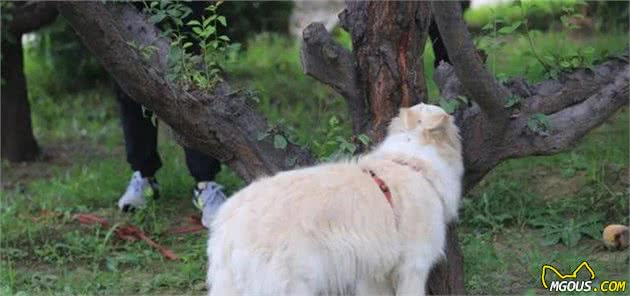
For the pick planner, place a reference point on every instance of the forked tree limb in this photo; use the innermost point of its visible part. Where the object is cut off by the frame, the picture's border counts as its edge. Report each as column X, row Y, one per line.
column 585, row 111
column 223, row 124
column 568, row 89
column 327, row 61
column 478, row 82
column 574, row 104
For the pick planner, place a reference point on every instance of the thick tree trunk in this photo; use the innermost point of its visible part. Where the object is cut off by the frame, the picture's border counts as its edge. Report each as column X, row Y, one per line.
column 388, row 42
column 447, row 277
column 18, row 142
column 383, row 73
column 384, row 70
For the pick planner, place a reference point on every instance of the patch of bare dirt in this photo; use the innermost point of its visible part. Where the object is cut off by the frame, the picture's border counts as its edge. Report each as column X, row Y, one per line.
column 58, row 154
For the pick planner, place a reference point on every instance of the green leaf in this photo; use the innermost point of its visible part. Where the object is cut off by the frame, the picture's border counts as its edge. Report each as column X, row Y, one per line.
column 364, row 139
column 197, row 31
column 290, row 162
column 154, row 19
column 333, row 121
column 279, row 142
column 550, row 240
column 222, row 20
column 224, row 38
column 111, row 264
column 593, row 230
column 178, row 22
column 174, row 13
column 589, row 50
column 194, row 23
column 345, row 146
column 539, row 123
column 512, row 101
column 488, row 27
column 449, row 105
column 261, row 136
column 207, row 21
column 575, row 62
column 568, row 172
column 571, row 237
column 463, row 99
column 510, row 29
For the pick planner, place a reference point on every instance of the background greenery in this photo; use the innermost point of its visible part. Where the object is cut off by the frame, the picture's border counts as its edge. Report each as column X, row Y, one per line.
column 527, row 212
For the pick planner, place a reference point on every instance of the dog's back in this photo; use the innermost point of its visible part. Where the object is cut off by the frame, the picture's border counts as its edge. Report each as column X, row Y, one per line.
column 324, row 230
column 373, row 227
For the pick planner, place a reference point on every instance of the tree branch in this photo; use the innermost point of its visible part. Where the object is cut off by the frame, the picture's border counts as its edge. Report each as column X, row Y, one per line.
column 581, row 101
column 554, row 95
column 478, row 82
column 590, row 107
column 224, row 125
column 327, row 61
column 30, row 16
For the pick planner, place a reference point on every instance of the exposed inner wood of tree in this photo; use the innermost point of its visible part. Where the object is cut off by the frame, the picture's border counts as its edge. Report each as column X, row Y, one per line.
column 381, row 74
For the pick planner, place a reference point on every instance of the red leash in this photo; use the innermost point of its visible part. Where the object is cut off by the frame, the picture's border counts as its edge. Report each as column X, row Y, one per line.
column 381, row 185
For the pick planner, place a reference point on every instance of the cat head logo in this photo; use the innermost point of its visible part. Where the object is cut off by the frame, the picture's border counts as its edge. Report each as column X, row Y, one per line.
column 570, row 276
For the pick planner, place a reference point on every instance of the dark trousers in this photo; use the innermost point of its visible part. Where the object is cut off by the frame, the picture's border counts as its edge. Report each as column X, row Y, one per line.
column 141, row 143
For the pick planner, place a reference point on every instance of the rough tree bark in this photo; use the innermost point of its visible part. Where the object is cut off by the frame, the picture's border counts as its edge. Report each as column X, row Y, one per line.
column 223, row 124
column 384, row 70
column 383, row 73
column 380, row 75
column 18, row 141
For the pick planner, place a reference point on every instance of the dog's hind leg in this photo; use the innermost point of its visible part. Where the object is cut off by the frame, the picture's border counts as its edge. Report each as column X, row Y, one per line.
column 411, row 280
column 223, row 285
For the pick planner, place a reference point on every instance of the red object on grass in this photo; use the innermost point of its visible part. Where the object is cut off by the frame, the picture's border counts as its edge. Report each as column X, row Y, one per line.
column 128, row 233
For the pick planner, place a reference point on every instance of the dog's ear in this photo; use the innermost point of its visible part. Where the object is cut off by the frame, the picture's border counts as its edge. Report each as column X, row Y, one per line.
column 438, row 123
column 407, row 118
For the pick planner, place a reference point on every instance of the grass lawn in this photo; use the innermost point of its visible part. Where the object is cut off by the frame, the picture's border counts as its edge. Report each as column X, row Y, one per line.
column 526, row 213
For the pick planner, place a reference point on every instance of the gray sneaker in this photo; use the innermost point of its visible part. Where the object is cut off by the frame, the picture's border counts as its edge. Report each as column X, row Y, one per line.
column 137, row 190
column 208, row 197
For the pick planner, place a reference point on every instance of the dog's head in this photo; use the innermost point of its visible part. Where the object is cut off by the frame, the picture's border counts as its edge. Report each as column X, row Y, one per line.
column 431, row 124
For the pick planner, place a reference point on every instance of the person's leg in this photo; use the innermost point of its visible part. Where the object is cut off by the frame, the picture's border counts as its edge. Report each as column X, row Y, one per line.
column 439, row 49
column 202, row 167
column 207, row 194
column 140, row 137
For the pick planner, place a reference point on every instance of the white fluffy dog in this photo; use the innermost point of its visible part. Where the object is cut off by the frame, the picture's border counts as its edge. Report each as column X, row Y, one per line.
column 374, row 226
